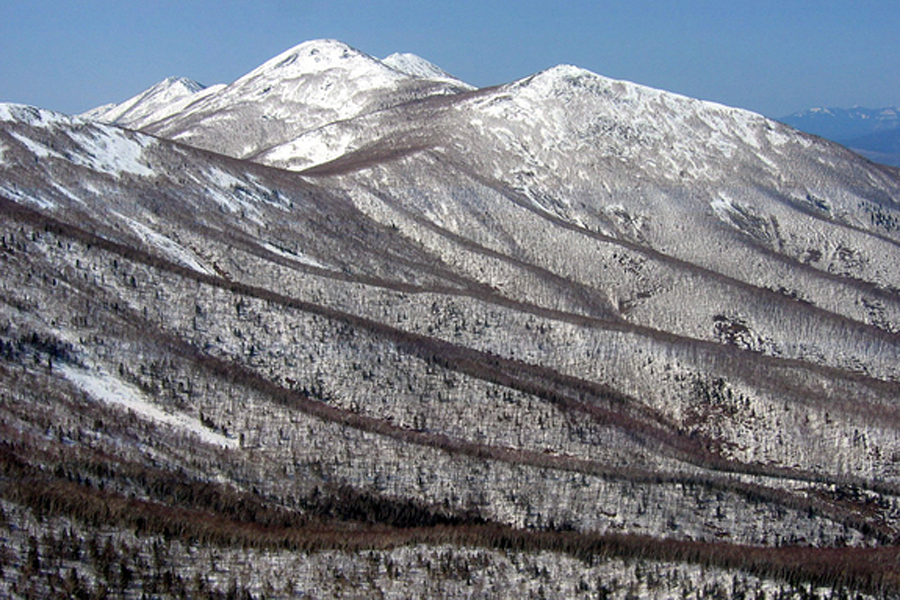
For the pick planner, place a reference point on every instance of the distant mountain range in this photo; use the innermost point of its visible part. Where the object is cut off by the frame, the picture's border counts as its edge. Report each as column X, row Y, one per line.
column 350, row 327
column 874, row 133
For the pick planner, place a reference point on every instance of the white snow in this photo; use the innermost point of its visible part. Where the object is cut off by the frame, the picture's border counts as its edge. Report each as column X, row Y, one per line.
column 12, row 191
column 224, row 180
column 179, row 105
column 36, row 148
column 160, row 95
column 168, row 247
column 566, row 121
column 6, row 112
column 159, row 102
column 226, row 195
column 302, row 89
column 104, row 148
column 67, row 193
column 32, row 115
column 417, row 66
column 112, row 151
column 723, row 208
column 319, row 56
column 295, row 256
column 98, row 112
column 111, row 390
column 313, row 148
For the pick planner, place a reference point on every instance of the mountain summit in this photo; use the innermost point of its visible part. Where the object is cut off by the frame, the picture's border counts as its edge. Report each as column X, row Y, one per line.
column 351, row 326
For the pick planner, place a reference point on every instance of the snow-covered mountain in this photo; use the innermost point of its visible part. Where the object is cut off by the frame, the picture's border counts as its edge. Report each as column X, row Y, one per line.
column 423, row 334
column 305, row 87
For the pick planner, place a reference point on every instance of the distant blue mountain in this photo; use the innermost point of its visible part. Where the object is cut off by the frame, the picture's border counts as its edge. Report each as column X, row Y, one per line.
column 874, row 133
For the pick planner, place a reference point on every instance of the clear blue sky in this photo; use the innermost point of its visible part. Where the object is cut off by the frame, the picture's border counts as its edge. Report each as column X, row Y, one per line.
column 773, row 57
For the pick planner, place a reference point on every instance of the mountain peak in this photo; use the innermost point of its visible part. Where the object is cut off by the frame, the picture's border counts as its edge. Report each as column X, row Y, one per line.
column 165, row 93
column 311, row 57
column 303, row 88
column 181, row 83
column 564, row 76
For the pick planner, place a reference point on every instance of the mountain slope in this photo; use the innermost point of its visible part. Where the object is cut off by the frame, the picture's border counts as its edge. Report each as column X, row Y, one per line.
column 419, row 67
column 563, row 317
column 155, row 98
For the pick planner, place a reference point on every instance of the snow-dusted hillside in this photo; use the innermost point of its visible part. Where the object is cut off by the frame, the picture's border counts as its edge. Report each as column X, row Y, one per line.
column 431, row 329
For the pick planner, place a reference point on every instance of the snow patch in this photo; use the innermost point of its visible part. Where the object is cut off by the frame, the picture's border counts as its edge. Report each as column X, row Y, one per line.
column 314, row 148
column 36, row 148
column 223, row 179
column 111, row 390
column 232, row 195
column 12, row 191
column 113, row 152
column 723, row 207
column 33, row 116
column 6, row 112
column 295, row 256
column 169, row 248
column 67, row 193
column 416, row 66
column 767, row 161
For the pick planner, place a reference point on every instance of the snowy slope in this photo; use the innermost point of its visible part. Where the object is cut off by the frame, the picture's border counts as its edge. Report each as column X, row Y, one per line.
column 152, row 100
column 417, row 66
column 94, row 146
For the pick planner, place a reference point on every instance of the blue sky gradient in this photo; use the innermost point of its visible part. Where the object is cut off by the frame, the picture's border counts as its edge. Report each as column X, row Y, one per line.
column 770, row 57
